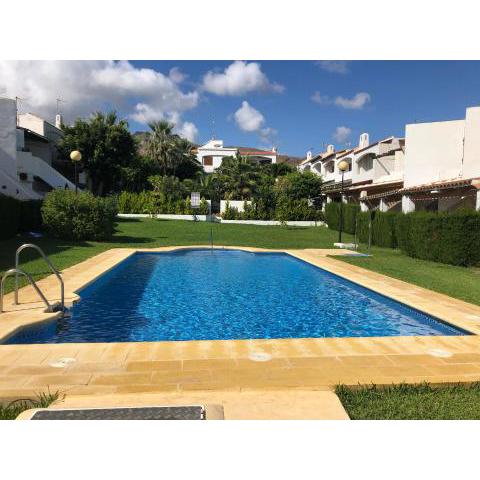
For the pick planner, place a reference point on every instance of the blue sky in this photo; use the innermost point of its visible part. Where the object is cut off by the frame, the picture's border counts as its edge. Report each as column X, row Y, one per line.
column 295, row 105
column 400, row 92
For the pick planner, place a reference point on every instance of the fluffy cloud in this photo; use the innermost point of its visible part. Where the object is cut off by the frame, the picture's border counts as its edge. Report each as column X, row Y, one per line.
column 317, row 97
column 342, row 134
column 333, row 66
column 248, row 118
column 355, row 103
column 239, row 78
column 85, row 86
column 189, row 131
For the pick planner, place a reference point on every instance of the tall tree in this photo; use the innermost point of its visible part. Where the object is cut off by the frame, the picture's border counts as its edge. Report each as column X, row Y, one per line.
column 107, row 149
column 172, row 153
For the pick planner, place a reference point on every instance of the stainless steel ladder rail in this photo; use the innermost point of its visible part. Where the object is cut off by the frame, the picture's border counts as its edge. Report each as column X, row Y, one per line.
column 16, row 272
column 49, row 263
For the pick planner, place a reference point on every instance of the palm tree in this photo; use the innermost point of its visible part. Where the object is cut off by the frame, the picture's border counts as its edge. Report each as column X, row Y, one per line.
column 160, row 145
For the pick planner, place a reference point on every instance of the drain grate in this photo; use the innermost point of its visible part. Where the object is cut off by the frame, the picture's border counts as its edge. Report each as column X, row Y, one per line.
column 131, row 413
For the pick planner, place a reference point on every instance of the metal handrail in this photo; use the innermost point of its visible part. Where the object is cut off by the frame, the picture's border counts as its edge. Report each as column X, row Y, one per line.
column 17, row 271
column 49, row 263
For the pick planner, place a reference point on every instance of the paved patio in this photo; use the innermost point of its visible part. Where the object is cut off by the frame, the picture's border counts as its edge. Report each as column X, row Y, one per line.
column 200, row 369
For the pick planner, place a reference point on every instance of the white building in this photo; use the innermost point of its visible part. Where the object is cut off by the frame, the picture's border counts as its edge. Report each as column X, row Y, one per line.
column 211, row 154
column 436, row 167
column 27, row 149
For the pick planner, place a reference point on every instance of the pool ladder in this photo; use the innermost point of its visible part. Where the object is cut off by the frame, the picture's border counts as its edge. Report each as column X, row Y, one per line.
column 17, row 272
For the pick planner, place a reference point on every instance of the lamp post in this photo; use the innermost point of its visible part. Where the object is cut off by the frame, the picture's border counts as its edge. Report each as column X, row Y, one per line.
column 76, row 157
column 343, row 167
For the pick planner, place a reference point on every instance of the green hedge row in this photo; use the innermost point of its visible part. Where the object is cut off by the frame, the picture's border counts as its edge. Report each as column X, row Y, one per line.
column 154, row 204
column 18, row 216
column 350, row 212
column 285, row 211
column 452, row 238
column 445, row 237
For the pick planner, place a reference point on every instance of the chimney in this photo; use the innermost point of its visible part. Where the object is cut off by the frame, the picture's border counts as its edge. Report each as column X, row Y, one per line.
column 58, row 120
column 309, row 155
column 274, row 149
column 364, row 140
column 330, row 148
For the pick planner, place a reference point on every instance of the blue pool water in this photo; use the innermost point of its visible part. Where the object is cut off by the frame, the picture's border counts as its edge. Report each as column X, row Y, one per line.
column 225, row 294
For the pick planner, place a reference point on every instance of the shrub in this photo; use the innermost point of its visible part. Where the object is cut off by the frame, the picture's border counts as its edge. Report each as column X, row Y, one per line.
column 204, row 208
column 130, row 202
column 30, row 215
column 383, row 229
column 452, row 238
column 78, row 216
column 332, row 215
column 9, row 216
column 291, row 210
column 363, row 221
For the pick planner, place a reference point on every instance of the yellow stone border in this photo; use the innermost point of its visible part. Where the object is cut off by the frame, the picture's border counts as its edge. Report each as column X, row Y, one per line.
column 296, row 363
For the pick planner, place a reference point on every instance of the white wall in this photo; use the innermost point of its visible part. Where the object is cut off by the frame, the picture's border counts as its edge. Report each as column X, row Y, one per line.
column 433, row 151
column 471, row 161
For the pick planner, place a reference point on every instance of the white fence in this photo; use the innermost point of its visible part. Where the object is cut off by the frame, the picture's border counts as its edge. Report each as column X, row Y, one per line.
column 196, row 218
column 292, row 223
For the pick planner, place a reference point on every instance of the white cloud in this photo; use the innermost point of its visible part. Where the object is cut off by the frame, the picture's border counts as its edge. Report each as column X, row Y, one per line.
column 333, row 66
column 355, row 103
column 317, row 97
column 268, row 136
column 142, row 94
column 176, row 75
column 342, row 134
column 188, row 130
column 239, row 78
column 248, row 118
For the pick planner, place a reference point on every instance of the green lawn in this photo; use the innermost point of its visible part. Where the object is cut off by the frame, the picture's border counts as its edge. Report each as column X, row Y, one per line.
column 458, row 282
column 148, row 233
column 412, row 402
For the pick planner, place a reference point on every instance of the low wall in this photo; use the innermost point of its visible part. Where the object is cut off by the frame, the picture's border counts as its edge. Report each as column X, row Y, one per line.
column 293, row 223
column 197, row 218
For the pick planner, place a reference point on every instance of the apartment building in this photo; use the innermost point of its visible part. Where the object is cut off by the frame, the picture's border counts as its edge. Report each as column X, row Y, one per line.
column 27, row 150
column 436, row 167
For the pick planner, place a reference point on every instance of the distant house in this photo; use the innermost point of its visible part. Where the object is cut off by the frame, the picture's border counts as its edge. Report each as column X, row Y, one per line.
column 27, row 151
column 211, row 154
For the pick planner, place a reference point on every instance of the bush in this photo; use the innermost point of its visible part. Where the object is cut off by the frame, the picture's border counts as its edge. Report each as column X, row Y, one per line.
column 383, row 229
column 30, row 215
column 291, row 210
column 9, row 217
column 78, row 216
column 332, row 215
column 452, row 238
column 130, row 202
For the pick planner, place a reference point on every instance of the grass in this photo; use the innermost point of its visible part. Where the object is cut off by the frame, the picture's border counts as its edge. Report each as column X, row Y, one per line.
column 148, row 233
column 13, row 409
column 411, row 402
column 459, row 282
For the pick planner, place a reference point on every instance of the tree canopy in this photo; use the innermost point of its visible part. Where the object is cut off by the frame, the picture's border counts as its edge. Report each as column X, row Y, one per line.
column 107, row 147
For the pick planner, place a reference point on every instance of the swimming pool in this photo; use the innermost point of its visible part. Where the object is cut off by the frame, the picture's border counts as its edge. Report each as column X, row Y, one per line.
column 200, row 294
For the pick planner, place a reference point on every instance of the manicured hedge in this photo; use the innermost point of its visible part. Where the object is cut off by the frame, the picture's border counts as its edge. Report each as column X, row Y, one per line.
column 9, row 217
column 383, row 229
column 452, row 238
column 332, row 215
column 78, row 216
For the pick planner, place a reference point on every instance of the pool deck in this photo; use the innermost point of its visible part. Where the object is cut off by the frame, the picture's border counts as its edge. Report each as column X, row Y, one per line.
column 281, row 371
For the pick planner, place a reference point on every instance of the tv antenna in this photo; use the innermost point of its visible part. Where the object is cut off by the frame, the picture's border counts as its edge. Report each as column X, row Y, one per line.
column 213, row 128
column 59, row 101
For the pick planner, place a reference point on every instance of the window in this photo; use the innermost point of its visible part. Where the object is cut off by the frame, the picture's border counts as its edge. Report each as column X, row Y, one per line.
column 208, row 161
column 365, row 164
